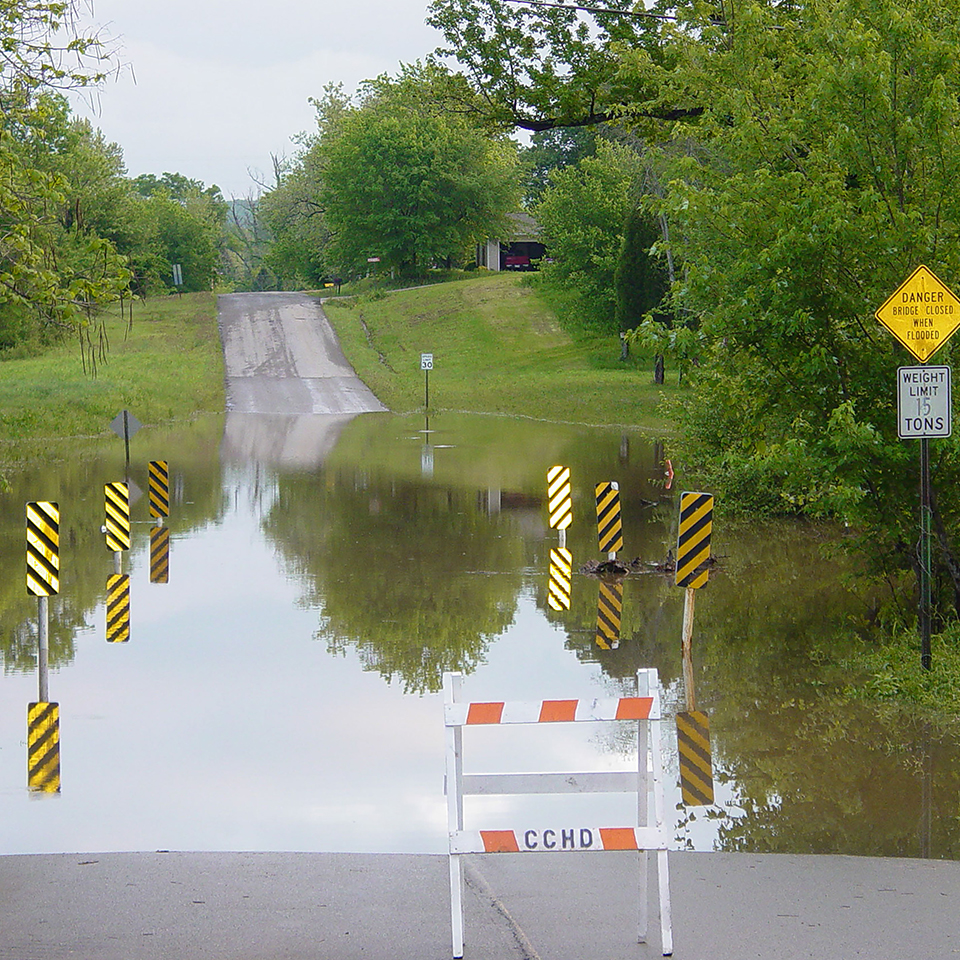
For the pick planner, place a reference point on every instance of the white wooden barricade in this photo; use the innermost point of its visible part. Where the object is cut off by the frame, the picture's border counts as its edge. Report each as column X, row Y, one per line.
column 644, row 708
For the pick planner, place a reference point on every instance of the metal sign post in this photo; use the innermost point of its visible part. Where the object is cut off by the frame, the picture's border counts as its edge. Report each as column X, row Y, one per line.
column 125, row 425
column 926, row 556
column 43, row 576
column 924, row 410
column 923, row 313
column 426, row 365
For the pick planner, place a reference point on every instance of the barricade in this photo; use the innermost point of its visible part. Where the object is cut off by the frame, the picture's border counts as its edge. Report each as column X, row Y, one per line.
column 644, row 709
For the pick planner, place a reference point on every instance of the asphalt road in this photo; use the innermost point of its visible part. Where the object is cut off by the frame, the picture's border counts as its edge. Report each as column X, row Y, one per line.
column 571, row 906
column 290, row 389
column 290, row 392
column 282, row 357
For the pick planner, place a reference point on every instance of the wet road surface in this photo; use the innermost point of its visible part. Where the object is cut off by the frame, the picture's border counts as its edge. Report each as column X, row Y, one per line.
column 290, row 389
column 282, row 357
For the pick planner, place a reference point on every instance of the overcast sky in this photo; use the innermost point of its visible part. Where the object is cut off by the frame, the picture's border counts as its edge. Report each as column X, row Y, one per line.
column 212, row 88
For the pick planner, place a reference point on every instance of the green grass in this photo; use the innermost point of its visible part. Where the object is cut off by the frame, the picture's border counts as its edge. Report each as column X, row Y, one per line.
column 497, row 348
column 167, row 366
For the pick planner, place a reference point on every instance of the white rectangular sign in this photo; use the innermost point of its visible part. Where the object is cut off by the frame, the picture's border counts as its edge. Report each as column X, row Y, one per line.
column 923, row 402
column 426, row 361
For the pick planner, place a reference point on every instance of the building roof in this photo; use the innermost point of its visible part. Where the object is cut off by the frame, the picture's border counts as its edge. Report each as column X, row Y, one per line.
column 524, row 227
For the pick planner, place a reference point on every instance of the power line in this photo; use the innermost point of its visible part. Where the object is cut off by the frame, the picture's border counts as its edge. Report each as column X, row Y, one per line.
column 621, row 13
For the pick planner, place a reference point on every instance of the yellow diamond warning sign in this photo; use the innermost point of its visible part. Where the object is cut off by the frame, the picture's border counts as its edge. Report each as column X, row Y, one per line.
column 922, row 313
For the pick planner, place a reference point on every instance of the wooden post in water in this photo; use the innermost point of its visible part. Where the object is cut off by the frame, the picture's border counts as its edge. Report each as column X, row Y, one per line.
column 687, row 646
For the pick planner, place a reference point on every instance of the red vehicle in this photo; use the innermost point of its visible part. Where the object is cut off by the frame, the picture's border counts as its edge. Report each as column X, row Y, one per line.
column 516, row 262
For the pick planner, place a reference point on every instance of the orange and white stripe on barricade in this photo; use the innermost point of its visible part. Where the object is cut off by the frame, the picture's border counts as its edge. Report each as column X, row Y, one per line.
column 644, row 709
column 548, row 711
column 555, row 839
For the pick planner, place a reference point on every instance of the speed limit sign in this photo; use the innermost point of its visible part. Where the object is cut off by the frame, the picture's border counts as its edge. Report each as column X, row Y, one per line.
column 426, row 361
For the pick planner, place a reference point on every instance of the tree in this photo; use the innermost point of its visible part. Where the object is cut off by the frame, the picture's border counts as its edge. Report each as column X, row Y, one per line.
column 173, row 220
column 823, row 171
column 247, row 245
column 46, row 285
column 641, row 281
column 552, row 150
column 540, row 67
column 404, row 181
column 293, row 213
column 582, row 216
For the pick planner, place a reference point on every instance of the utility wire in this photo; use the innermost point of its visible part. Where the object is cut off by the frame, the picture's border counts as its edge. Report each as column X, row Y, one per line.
column 621, row 13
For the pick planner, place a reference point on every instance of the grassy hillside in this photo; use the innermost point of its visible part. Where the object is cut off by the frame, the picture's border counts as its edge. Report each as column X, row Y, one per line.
column 167, row 366
column 497, row 348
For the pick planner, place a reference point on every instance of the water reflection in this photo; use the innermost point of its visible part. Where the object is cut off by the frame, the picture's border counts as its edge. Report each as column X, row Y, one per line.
column 280, row 689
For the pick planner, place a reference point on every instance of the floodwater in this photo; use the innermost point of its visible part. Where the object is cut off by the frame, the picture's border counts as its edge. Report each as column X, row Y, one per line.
column 281, row 690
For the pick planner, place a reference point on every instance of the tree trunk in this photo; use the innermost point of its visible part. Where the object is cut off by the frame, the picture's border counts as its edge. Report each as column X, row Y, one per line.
column 950, row 561
column 658, row 368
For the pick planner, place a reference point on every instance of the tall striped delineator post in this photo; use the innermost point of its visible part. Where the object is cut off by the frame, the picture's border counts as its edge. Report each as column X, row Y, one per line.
column 560, row 507
column 543, row 838
column 117, row 533
column 609, row 615
column 116, row 497
column 43, row 747
column 559, row 501
column 693, row 726
column 609, row 523
column 693, row 554
column 159, row 476
column 159, row 483
column 43, row 575
column 43, row 582
column 558, row 587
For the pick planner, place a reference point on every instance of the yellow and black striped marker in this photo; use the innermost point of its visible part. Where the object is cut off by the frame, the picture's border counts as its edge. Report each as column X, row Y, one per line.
column 159, row 489
column 693, row 541
column 43, row 549
column 609, row 525
column 609, row 615
column 117, row 501
column 118, row 608
column 558, row 496
column 561, row 566
column 696, row 766
column 159, row 555
column 43, row 747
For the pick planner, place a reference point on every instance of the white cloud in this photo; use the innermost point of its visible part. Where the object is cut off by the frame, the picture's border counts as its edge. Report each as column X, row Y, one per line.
column 219, row 87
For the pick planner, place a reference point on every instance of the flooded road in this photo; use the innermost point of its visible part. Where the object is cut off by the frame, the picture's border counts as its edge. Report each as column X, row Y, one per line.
column 328, row 561
column 280, row 691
